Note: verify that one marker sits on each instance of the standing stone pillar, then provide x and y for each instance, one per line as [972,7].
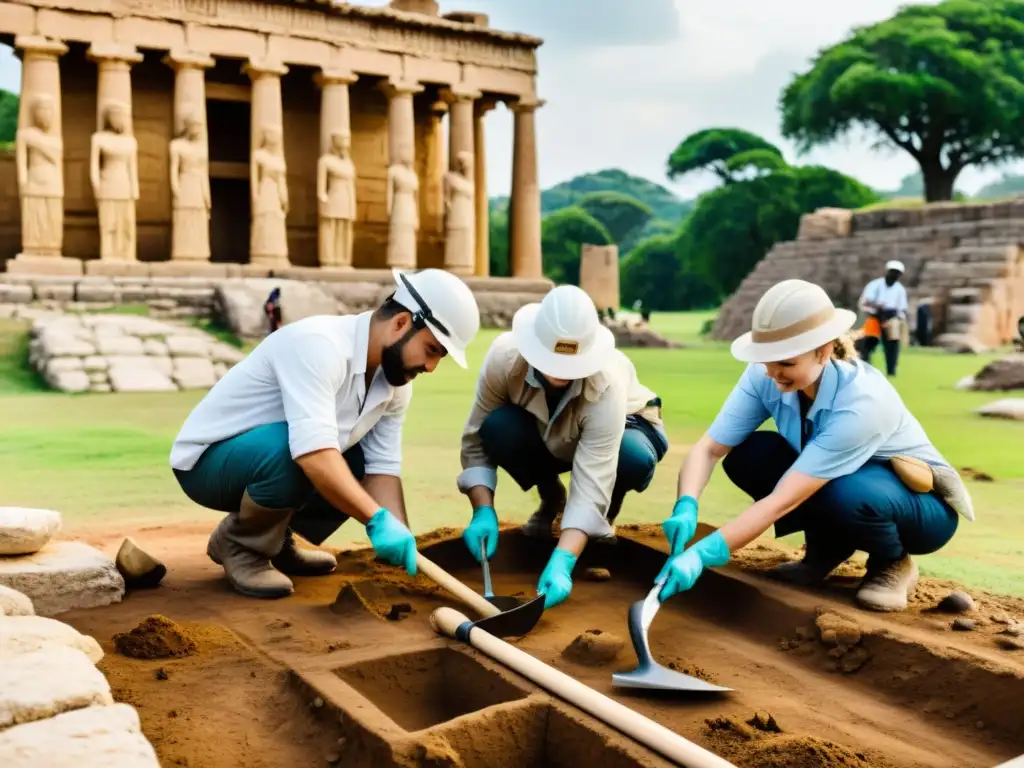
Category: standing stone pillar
[335,114]
[402,182]
[460,122]
[268,244]
[39,149]
[524,205]
[336,172]
[114,62]
[483,208]
[189,87]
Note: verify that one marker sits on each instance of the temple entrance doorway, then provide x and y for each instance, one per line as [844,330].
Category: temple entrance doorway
[228,117]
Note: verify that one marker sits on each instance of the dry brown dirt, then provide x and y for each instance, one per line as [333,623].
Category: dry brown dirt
[347,671]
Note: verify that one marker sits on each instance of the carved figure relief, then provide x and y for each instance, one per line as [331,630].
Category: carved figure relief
[460,214]
[269,184]
[114,173]
[336,191]
[190,193]
[403,209]
[40,157]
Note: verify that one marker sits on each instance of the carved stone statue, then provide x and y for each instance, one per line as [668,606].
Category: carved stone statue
[336,191]
[41,181]
[114,173]
[269,183]
[403,210]
[460,216]
[190,194]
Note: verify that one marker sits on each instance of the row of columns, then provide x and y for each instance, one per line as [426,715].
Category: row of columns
[466,108]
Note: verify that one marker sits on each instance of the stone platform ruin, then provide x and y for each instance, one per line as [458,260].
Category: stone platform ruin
[965,260]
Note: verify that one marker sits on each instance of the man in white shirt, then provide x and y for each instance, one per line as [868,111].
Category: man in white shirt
[555,396]
[307,432]
[884,300]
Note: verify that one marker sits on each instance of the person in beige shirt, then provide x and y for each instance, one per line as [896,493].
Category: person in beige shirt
[555,396]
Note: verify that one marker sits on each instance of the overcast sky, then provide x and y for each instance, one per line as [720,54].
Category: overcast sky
[626,80]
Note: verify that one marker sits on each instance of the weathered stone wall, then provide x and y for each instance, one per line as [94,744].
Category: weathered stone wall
[965,260]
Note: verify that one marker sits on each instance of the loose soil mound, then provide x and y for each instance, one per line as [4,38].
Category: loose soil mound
[594,648]
[157,637]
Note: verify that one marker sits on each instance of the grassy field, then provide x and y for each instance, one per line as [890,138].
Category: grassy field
[102,459]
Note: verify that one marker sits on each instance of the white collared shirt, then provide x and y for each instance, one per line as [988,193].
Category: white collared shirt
[310,374]
[893,297]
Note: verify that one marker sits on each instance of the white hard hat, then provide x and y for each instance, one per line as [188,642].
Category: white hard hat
[894,264]
[793,317]
[443,303]
[562,336]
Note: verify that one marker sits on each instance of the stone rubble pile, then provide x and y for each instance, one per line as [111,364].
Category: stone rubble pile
[126,353]
[56,707]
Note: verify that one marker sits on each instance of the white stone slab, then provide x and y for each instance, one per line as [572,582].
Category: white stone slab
[64,575]
[140,378]
[26,634]
[44,683]
[13,603]
[24,530]
[1007,408]
[194,373]
[109,736]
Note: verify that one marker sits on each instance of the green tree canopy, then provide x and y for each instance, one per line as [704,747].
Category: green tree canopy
[622,215]
[711,150]
[945,83]
[755,162]
[655,273]
[498,243]
[8,116]
[561,234]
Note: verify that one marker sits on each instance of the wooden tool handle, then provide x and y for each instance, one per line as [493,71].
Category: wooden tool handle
[438,575]
[649,733]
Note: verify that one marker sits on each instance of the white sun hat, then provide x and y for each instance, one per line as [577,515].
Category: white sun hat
[793,317]
[562,336]
[443,303]
[894,264]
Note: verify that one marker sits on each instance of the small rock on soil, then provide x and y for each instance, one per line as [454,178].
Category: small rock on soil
[1010,643]
[956,602]
[594,648]
[597,574]
[157,637]
[963,625]
[837,630]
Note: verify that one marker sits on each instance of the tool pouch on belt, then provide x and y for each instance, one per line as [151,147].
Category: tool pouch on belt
[946,482]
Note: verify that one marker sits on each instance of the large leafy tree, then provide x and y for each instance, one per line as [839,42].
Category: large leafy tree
[8,116]
[561,235]
[945,83]
[655,273]
[622,215]
[711,150]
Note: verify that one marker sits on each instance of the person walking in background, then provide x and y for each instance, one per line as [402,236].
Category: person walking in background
[272,309]
[884,300]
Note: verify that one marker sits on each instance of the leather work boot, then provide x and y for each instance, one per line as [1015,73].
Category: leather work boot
[888,587]
[552,504]
[805,573]
[243,545]
[295,561]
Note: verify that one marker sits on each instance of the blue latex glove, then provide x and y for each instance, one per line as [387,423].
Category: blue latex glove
[483,527]
[392,541]
[681,526]
[556,580]
[681,571]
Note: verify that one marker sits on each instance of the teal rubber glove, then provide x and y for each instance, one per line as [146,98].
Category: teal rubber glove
[392,541]
[680,573]
[681,526]
[484,527]
[556,580]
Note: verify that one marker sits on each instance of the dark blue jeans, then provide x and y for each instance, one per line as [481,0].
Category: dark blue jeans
[260,462]
[870,510]
[512,440]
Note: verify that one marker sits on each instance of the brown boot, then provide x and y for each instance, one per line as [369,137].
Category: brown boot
[245,542]
[302,562]
[888,587]
[804,573]
[552,504]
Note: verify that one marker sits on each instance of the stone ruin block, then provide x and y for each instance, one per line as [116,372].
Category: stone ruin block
[599,274]
[64,575]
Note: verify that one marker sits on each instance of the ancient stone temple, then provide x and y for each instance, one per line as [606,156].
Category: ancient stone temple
[181,137]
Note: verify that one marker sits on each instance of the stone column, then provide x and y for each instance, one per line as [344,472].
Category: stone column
[266,110]
[483,210]
[336,173]
[39,150]
[189,87]
[114,61]
[460,121]
[334,104]
[524,205]
[402,181]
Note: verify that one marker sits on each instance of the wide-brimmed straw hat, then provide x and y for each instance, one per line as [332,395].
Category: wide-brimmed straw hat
[793,317]
[562,336]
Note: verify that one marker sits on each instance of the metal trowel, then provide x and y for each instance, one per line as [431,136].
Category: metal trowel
[650,674]
[502,603]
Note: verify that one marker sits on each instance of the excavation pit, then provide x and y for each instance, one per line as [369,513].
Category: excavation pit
[425,688]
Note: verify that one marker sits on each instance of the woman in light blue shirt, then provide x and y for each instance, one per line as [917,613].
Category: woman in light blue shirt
[849,465]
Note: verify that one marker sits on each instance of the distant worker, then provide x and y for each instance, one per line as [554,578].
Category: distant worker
[272,309]
[306,432]
[884,300]
[555,396]
[848,465]
[1019,341]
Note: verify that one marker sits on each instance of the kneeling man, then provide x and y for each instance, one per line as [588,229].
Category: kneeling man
[307,432]
[555,396]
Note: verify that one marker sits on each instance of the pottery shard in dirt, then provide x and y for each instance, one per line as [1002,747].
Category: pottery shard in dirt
[44,683]
[24,531]
[64,575]
[100,736]
[25,634]
[13,603]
